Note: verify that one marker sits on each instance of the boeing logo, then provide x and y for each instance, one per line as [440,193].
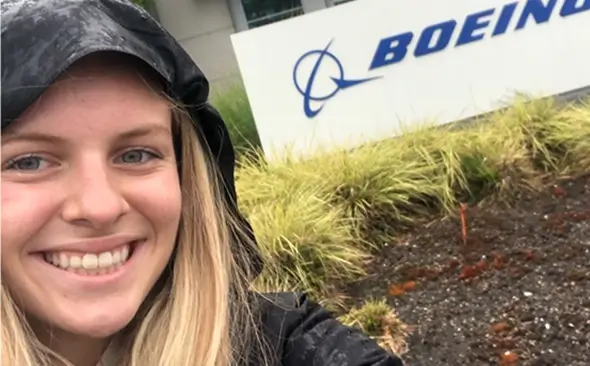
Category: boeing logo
[432,39]
[307,90]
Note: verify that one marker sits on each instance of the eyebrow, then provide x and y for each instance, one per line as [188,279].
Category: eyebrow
[48,138]
[145,131]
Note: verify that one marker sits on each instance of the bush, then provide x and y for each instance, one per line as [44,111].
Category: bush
[317,214]
[143,3]
[233,105]
[308,244]
[318,220]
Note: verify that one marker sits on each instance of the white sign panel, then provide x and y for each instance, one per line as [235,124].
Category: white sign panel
[357,72]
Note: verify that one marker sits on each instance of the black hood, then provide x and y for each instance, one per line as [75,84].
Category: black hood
[42,38]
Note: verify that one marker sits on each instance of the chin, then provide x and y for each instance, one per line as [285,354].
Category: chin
[94,322]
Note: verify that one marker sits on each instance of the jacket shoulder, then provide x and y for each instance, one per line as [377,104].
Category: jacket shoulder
[301,332]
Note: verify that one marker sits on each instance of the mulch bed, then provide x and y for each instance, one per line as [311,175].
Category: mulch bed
[517,292]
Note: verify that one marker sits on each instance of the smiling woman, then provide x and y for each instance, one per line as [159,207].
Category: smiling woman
[122,244]
[80,173]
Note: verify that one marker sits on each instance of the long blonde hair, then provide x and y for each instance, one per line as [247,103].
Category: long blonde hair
[200,312]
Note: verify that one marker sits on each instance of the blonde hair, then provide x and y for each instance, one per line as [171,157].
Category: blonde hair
[200,312]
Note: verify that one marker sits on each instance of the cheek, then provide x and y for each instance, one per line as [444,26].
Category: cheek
[159,201]
[26,209]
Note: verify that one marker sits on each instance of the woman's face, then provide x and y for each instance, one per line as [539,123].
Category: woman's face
[91,200]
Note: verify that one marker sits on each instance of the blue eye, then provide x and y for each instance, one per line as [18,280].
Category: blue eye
[137,156]
[29,163]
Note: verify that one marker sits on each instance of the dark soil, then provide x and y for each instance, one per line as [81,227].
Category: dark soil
[517,292]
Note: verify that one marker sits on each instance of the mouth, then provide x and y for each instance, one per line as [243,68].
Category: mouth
[92,264]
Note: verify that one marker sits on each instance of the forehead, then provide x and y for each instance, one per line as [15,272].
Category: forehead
[126,70]
[98,92]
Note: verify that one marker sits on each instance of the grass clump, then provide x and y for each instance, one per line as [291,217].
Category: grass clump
[568,139]
[378,320]
[308,244]
[316,219]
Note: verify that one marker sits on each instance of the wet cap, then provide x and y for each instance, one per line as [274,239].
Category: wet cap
[42,38]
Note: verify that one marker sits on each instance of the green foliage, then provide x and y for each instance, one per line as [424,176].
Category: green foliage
[322,215]
[318,220]
[234,107]
[143,3]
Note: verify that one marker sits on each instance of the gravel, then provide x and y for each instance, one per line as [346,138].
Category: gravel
[516,292]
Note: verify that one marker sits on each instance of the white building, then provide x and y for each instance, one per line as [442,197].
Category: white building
[204,27]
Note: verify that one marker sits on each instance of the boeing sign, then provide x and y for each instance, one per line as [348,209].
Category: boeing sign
[433,38]
[371,70]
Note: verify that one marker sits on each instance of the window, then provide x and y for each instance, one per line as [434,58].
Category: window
[262,12]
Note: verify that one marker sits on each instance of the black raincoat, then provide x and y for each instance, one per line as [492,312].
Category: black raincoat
[42,38]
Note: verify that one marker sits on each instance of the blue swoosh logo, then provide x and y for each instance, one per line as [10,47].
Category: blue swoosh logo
[340,82]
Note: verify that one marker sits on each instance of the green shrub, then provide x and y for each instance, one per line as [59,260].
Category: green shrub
[352,201]
[143,3]
[317,219]
[306,243]
[233,105]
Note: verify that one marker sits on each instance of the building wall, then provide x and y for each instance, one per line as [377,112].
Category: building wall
[203,27]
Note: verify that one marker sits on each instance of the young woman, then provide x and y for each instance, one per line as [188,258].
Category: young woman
[122,244]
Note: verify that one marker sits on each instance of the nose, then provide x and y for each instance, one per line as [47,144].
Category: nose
[94,199]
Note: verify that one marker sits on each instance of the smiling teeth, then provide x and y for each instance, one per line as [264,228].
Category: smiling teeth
[89,263]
